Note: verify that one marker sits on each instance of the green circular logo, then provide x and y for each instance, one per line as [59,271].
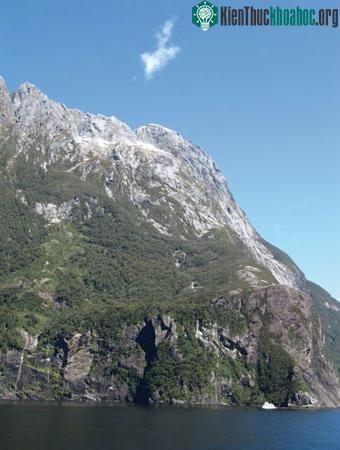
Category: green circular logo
[204,15]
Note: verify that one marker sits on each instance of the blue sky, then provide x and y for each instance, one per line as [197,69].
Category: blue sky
[263,102]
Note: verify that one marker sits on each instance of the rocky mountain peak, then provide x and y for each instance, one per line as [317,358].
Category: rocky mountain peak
[171,141]
[125,257]
[2,84]
[70,129]
[28,96]
[5,103]
[30,89]
[158,134]
[152,156]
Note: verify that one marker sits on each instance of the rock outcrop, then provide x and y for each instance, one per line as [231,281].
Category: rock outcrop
[128,272]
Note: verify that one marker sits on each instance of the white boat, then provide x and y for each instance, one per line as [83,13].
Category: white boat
[268,405]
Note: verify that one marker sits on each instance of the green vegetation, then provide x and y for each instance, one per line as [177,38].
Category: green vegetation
[9,336]
[21,232]
[104,269]
[330,319]
[275,372]
[174,377]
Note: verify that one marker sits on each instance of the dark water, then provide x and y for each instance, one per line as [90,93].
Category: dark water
[29,426]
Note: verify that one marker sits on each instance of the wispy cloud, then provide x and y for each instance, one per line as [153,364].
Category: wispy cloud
[164,52]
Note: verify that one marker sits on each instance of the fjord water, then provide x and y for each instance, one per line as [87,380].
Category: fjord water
[32,426]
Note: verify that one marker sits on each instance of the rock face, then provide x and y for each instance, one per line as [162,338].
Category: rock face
[176,167]
[79,359]
[128,272]
[152,362]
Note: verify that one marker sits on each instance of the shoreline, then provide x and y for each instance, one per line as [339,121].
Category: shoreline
[186,405]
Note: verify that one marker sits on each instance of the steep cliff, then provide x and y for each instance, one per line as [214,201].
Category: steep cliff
[128,272]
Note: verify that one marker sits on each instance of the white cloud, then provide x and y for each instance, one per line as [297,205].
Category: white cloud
[165,52]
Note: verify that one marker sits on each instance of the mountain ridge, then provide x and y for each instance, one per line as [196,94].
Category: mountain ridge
[124,253]
[149,134]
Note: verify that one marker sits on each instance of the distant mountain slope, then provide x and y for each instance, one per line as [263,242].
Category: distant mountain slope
[129,272]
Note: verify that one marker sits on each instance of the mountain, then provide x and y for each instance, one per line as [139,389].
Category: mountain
[128,272]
